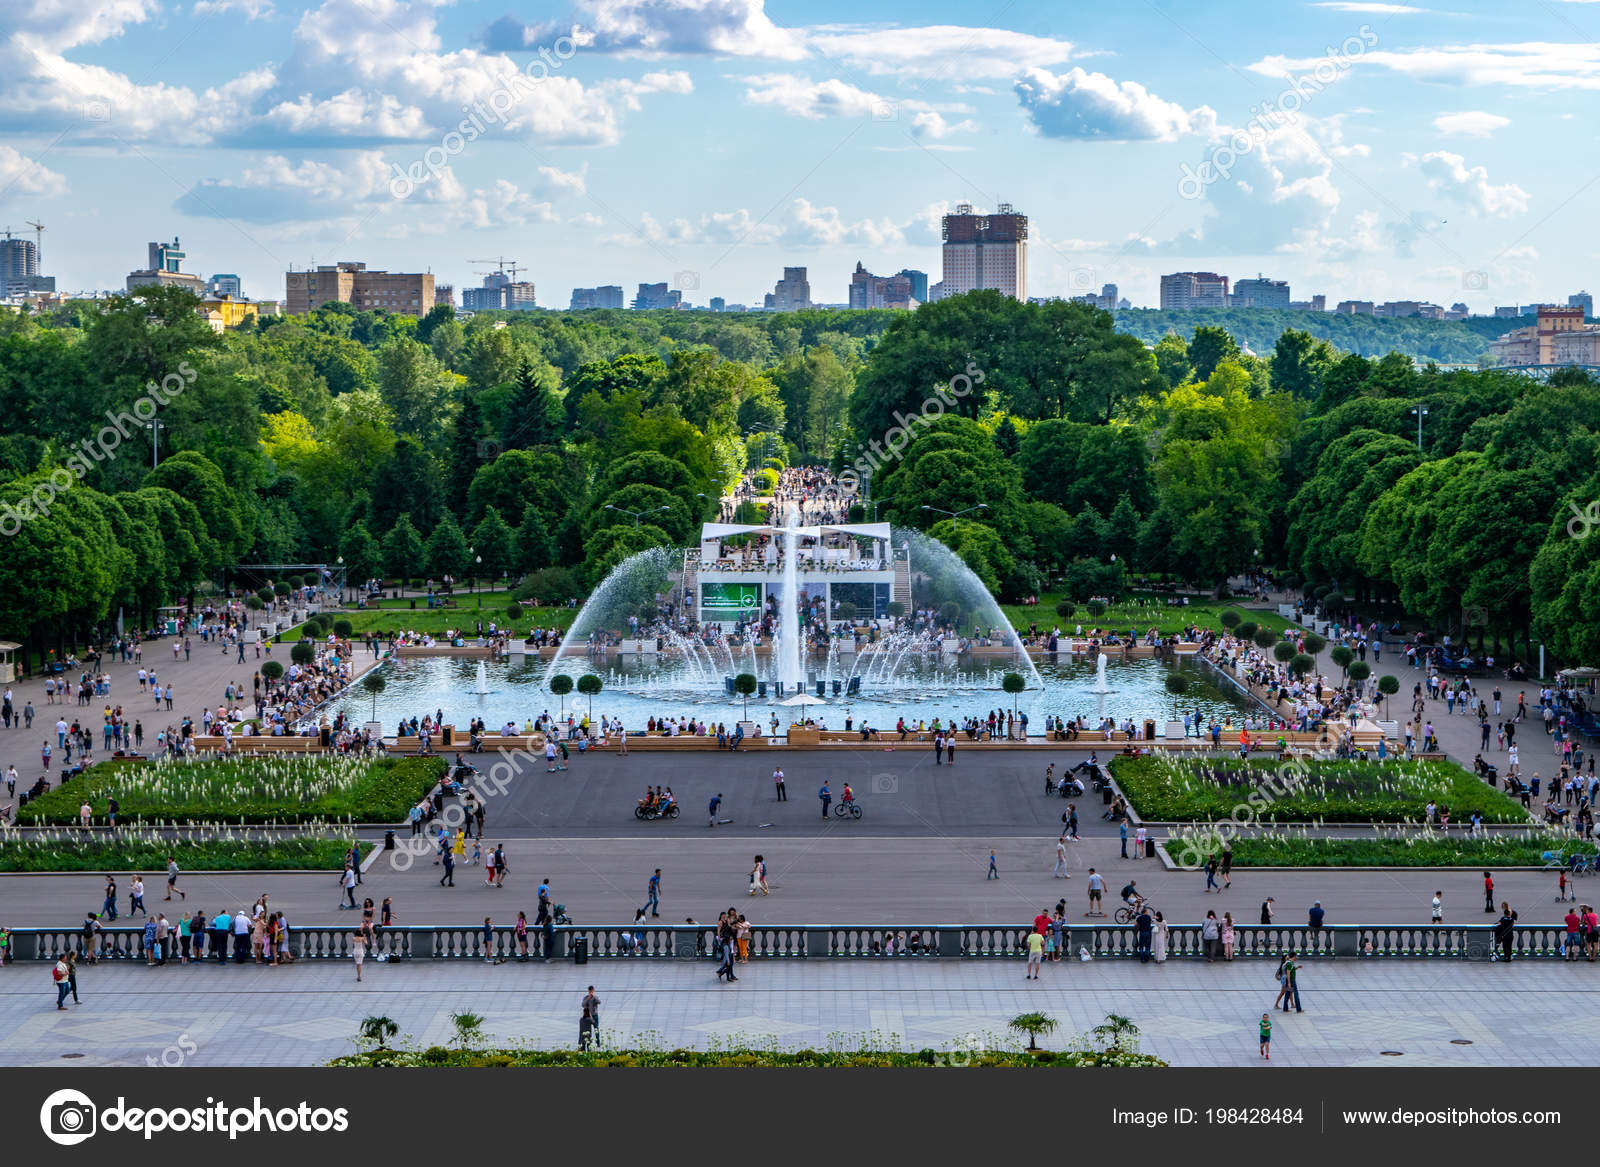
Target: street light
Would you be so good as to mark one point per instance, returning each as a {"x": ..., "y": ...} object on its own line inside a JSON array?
[
  {"x": 340, "y": 561},
  {"x": 477, "y": 565},
  {"x": 155, "y": 428},
  {"x": 636, "y": 514},
  {"x": 954, "y": 515},
  {"x": 1419, "y": 412}
]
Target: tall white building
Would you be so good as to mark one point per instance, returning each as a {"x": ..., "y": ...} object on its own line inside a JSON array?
[{"x": 985, "y": 251}]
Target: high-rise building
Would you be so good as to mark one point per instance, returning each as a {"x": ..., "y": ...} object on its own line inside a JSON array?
[
  {"x": 718, "y": 304},
  {"x": 652, "y": 296},
  {"x": 986, "y": 251},
  {"x": 1559, "y": 337},
  {"x": 224, "y": 285},
  {"x": 919, "y": 283},
  {"x": 164, "y": 270},
  {"x": 444, "y": 294},
  {"x": 1582, "y": 300},
  {"x": 499, "y": 293},
  {"x": 792, "y": 293},
  {"x": 605, "y": 296},
  {"x": 19, "y": 268},
  {"x": 870, "y": 291},
  {"x": 1194, "y": 289},
  {"x": 399, "y": 293},
  {"x": 1355, "y": 308},
  {"x": 1260, "y": 293}
]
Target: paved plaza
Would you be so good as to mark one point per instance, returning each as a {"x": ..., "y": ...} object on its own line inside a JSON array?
[{"x": 1192, "y": 1014}]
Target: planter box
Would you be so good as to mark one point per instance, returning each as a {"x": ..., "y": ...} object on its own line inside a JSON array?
[
  {"x": 1174, "y": 729},
  {"x": 1391, "y": 729},
  {"x": 638, "y": 648},
  {"x": 950, "y": 646}
]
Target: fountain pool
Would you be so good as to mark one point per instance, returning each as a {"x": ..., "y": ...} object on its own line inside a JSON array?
[{"x": 420, "y": 686}]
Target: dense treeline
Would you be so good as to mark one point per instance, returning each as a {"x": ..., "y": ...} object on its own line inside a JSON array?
[
  {"x": 546, "y": 447},
  {"x": 1258, "y": 329}
]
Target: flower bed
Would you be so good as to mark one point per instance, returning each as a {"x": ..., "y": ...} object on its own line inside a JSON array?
[
  {"x": 196, "y": 849},
  {"x": 1164, "y": 788},
  {"x": 1388, "y": 849},
  {"x": 745, "y": 1058},
  {"x": 281, "y": 788}
]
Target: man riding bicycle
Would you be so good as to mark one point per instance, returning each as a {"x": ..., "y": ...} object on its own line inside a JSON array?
[{"x": 1132, "y": 897}]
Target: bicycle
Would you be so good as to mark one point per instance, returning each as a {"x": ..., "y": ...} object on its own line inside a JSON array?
[
  {"x": 851, "y": 809},
  {"x": 1128, "y": 913}
]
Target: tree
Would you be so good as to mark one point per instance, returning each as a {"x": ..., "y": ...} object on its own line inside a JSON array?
[
  {"x": 227, "y": 521},
  {"x": 1210, "y": 346},
  {"x": 1299, "y": 363},
  {"x": 1172, "y": 360},
  {"x": 1302, "y": 663},
  {"x": 416, "y": 390},
  {"x": 1342, "y": 655},
  {"x": 1388, "y": 685},
  {"x": 374, "y": 683},
  {"x": 1265, "y": 638},
  {"x": 378, "y": 1030},
  {"x": 495, "y": 544},
  {"x": 1177, "y": 684},
  {"x": 302, "y": 652},
  {"x": 402, "y": 549},
  {"x": 531, "y": 414},
  {"x": 446, "y": 552},
  {"x": 470, "y": 448},
  {"x": 589, "y": 684},
  {"x": 1359, "y": 671},
  {"x": 1006, "y": 439},
  {"x": 1118, "y": 1033},
  {"x": 1034, "y": 1025},
  {"x": 1013, "y": 683},
  {"x": 531, "y": 543},
  {"x": 744, "y": 685},
  {"x": 406, "y": 483},
  {"x": 561, "y": 685}
]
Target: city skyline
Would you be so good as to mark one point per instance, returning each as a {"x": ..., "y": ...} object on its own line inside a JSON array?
[{"x": 646, "y": 140}]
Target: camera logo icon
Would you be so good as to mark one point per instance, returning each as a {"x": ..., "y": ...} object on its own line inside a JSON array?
[
  {"x": 885, "y": 111},
  {"x": 97, "y": 109},
  {"x": 1474, "y": 281},
  {"x": 1081, "y": 279},
  {"x": 1474, "y": 615},
  {"x": 68, "y": 1117},
  {"x": 885, "y": 784},
  {"x": 489, "y": 449},
  {"x": 686, "y": 281}
]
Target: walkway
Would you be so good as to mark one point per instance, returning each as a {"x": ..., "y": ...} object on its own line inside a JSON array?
[{"x": 1191, "y": 1014}]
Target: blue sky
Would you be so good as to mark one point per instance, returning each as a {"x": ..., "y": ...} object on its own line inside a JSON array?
[{"x": 1366, "y": 151}]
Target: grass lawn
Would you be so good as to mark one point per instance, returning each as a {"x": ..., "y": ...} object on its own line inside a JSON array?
[
  {"x": 437, "y": 621},
  {"x": 198, "y": 850},
  {"x": 1387, "y": 849},
  {"x": 1141, "y": 611},
  {"x": 738, "y": 1058},
  {"x": 280, "y": 788},
  {"x": 1171, "y": 789}
]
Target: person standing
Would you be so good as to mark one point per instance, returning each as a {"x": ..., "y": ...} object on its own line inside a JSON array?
[
  {"x": 1139, "y": 838},
  {"x": 1159, "y": 939},
  {"x": 1143, "y": 931},
  {"x": 1266, "y": 1035},
  {"x": 592, "y": 1004},
  {"x": 1505, "y": 931},
  {"x": 1488, "y": 893},
  {"x": 653, "y": 894},
  {"x": 1035, "y": 954},
  {"x": 1211, "y": 936},
  {"x": 1438, "y": 907},
  {"x": 1266, "y": 912},
  {"x": 358, "y": 950},
  {"x": 826, "y": 797},
  {"x": 172, "y": 878},
  {"x": 1291, "y": 984},
  {"x": 108, "y": 909},
  {"x": 585, "y": 1029},
  {"x": 1097, "y": 891},
  {"x": 60, "y": 975},
  {"x": 136, "y": 896},
  {"x": 1122, "y": 830},
  {"x": 777, "y": 781},
  {"x": 448, "y": 879},
  {"x": 1060, "y": 871}
]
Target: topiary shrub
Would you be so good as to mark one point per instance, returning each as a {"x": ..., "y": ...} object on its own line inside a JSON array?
[
  {"x": 513, "y": 611},
  {"x": 272, "y": 670},
  {"x": 281, "y": 588},
  {"x": 1265, "y": 638},
  {"x": 1066, "y": 609},
  {"x": 436, "y": 1055},
  {"x": 1315, "y": 643},
  {"x": 1246, "y": 629},
  {"x": 1283, "y": 651},
  {"x": 1230, "y": 618},
  {"x": 1096, "y": 607},
  {"x": 343, "y": 629},
  {"x": 302, "y": 653}
]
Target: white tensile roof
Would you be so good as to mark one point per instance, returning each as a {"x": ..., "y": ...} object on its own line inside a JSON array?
[{"x": 866, "y": 530}]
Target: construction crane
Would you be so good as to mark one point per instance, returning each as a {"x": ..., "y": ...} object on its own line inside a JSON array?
[
  {"x": 503, "y": 265},
  {"x": 38, "y": 246}
]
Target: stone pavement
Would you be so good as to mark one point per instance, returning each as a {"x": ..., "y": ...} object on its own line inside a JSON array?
[
  {"x": 1191, "y": 1013},
  {"x": 841, "y": 877}
]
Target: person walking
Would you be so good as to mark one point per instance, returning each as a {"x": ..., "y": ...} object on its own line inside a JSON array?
[
  {"x": 448, "y": 879},
  {"x": 826, "y": 797},
  {"x": 653, "y": 894},
  {"x": 777, "y": 781},
  {"x": 61, "y": 976},
  {"x": 1488, "y": 893},
  {"x": 108, "y": 909},
  {"x": 1266, "y": 1035},
  {"x": 348, "y": 880},
  {"x": 1438, "y": 907},
  {"x": 1097, "y": 891},
  {"x": 592, "y": 1004},
  {"x": 994, "y": 871},
  {"x": 1060, "y": 871},
  {"x": 1290, "y": 972},
  {"x": 1266, "y": 911},
  {"x": 1225, "y": 869},
  {"x": 72, "y": 976},
  {"x": 136, "y": 896},
  {"x": 358, "y": 949},
  {"x": 1212, "y": 864},
  {"x": 172, "y": 878},
  {"x": 1505, "y": 931},
  {"x": 760, "y": 874}
]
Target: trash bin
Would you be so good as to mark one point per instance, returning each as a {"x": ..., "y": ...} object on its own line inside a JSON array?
[
  {"x": 1149, "y": 730},
  {"x": 388, "y": 840},
  {"x": 1105, "y": 795},
  {"x": 580, "y": 950},
  {"x": 1149, "y": 848},
  {"x": 449, "y": 734}
]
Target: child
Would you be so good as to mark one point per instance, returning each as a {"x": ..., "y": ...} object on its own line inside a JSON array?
[
  {"x": 1266, "y": 1036},
  {"x": 1562, "y": 884},
  {"x": 477, "y": 852}
]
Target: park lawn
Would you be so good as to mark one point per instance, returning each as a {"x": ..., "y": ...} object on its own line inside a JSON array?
[
  {"x": 1411, "y": 849},
  {"x": 437, "y": 621},
  {"x": 276, "y": 788},
  {"x": 1164, "y": 788},
  {"x": 1141, "y": 611},
  {"x": 736, "y": 1057},
  {"x": 195, "y": 851}
]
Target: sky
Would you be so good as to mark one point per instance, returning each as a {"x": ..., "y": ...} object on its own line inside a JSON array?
[{"x": 1362, "y": 150}]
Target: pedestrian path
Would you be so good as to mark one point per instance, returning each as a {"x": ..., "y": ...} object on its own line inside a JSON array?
[{"x": 1190, "y": 1013}]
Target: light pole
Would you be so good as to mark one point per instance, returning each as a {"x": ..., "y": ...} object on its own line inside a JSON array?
[
  {"x": 340, "y": 561},
  {"x": 954, "y": 515},
  {"x": 155, "y": 428},
  {"x": 1419, "y": 412},
  {"x": 636, "y": 514},
  {"x": 477, "y": 569}
]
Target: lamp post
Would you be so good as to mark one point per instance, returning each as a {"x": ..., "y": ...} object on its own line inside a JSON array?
[
  {"x": 155, "y": 428},
  {"x": 340, "y": 561},
  {"x": 954, "y": 515},
  {"x": 477, "y": 568},
  {"x": 473, "y": 552},
  {"x": 1419, "y": 413},
  {"x": 636, "y": 514}
]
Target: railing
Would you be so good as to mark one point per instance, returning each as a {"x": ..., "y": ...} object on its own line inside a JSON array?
[{"x": 1103, "y": 941}]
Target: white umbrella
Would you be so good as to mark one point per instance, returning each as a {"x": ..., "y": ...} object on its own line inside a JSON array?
[{"x": 802, "y": 699}]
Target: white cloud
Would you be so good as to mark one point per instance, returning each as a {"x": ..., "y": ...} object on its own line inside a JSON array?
[
  {"x": 627, "y": 92},
  {"x": 352, "y": 113},
  {"x": 503, "y": 205},
  {"x": 803, "y": 97},
  {"x": 811, "y": 226},
  {"x": 20, "y": 174},
  {"x": 733, "y": 28},
  {"x": 930, "y": 124},
  {"x": 1369, "y": 9},
  {"x": 1449, "y": 174},
  {"x": 1541, "y": 65},
  {"x": 250, "y": 9},
  {"x": 1470, "y": 123},
  {"x": 56, "y": 25},
  {"x": 950, "y": 53},
  {"x": 1093, "y": 106}
]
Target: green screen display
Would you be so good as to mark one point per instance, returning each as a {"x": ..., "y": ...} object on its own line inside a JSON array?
[{"x": 727, "y": 597}]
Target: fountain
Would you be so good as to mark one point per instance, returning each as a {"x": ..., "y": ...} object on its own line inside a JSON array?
[
  {"x": 1100, "y": 685},
  {"x": 483, "y": 680},
  {"x": 786, "y": 668}
]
